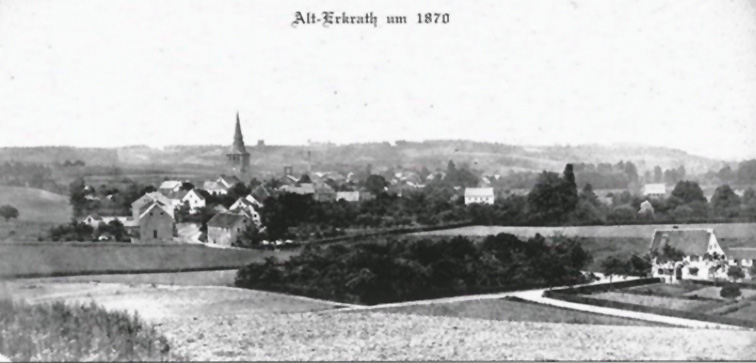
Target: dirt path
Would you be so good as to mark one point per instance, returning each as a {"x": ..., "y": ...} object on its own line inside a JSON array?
[{"x": 536, "y": 296}]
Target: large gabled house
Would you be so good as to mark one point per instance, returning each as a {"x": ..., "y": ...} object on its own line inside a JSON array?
[
  {"x": 156, "y": 223},
  {"x": 225, "y": 227},
  {"x": 703, "y": 255},
  {"x": 136, "y": 206}
]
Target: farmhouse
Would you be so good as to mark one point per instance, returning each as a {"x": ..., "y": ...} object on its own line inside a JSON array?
[
  {"x": 195, "y": 199},
  {"x": 324, "y": 192},
  {"x": 225, "y": 228},
  {"x": 658, "y": 190},
  {"x": 244, "y": 205},
  {"x": 479, "y": 195},
  {"x": 703, "y": 257},
  {"x": 228, "y": 181},
  {"x": 156, "y": 223}
]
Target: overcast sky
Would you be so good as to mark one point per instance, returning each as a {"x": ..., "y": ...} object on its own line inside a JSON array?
[{"x": 680, "y": 74}]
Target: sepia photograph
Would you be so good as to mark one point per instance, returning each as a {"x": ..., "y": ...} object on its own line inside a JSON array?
[{"x": 332, "y": 180}]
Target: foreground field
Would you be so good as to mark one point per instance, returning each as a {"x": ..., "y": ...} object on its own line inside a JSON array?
[
  {"x": 723, "y": 230},
  {"x": 86, "y": 258},
  {"x": 509, "y": 310},
  {"x": 161, "y": 301},
  {"x": 382, "y": 336}
]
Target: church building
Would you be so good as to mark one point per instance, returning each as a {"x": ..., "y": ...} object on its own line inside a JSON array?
[{"x": 238, "y": 158}]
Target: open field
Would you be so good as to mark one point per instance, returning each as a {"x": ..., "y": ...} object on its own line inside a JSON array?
[
  {"x": 384, "y": 336},
  {"x": 193, "y": 278},
  {"x": 510, "y": 310},
  {"x": 723, "y": 230},
  {"x": 49, "y": 259},
  {"x": 36, "y": 204}
]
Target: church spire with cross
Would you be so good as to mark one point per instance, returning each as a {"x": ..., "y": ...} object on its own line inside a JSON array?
[{"x": 238, "y": 158}]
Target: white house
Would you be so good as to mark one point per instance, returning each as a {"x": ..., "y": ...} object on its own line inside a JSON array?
[
  {"x": 195, "y": 199},
  {"x": 704, "y": 256},
  {"x": 658, "y": 190},
  {"x": 170, "y": 186},
  {"x": 215, "y": 188},
  {"x": 479, "y": 195},
  {"x": 348, "y": 196}
]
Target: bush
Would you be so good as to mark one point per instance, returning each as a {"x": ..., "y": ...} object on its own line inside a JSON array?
[
  {"x": 730, "y": 291},
  {"x": 48, "y": 332}
]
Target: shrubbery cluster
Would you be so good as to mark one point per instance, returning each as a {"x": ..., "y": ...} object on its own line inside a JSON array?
[{"x": 409, "y": 269}]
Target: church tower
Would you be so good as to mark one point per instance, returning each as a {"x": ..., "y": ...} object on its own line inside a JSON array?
[{"x": 238, "y": 158}]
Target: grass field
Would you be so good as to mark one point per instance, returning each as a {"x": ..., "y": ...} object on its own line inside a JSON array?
[
  {"x": 88, "y": 258},
  {"x": 729, "y": 230},
  {"x": 36, "y": 205},
  {"x": 511, "y": 310},
  {"x": 681, "y": 304},
  {"x": 664, "y": 289}
]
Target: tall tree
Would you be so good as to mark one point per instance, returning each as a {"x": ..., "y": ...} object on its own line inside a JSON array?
[
  {"x": 725, "y": 202},
  {"x": 688, "y": 192}
]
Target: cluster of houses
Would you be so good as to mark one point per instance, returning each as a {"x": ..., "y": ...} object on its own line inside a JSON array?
[{"x": 704, "y": 256}]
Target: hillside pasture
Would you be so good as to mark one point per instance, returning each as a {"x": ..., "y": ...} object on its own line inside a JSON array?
[
  {"x": 723, "y": 230},
  {"x": 36, "y": 205},
  {"x": 78, "y": 258}
]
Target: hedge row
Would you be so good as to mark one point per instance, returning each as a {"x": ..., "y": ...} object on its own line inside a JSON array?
[
  {"x": 118, "y": 272},
  {"x": 402, "y": 230},
  {"x": 559, "y": 295},
  {"x": 742, "y": 285},
  {"x": 590, "y": 289}
]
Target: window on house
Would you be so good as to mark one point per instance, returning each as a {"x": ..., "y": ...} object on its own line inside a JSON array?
[
  {"x": 660, "y": 272},
  {"x": 150, "y": 213},
  {"x": 154, "y": 233}
]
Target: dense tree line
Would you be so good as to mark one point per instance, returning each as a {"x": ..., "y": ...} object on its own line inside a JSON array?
[{"x": 408, "y": 269}]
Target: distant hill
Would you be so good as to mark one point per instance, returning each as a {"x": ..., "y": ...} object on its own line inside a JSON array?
[
  {"x": 488, "y": 157},
  {"x": 36, "y": 205}
]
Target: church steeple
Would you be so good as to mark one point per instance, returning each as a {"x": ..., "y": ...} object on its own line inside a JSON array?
[
  {"x": 238, "y": 158},
  {"x": 238, "y": 145}
]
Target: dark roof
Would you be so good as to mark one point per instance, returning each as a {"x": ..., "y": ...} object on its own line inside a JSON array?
[
  {"x": 748, "y": 253},
  {"x": 225, "y": 220},
  {"x": 230, "y": 179},
  {"x": 691, "y": 242},
  {"x": 260, "y": 193}
]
